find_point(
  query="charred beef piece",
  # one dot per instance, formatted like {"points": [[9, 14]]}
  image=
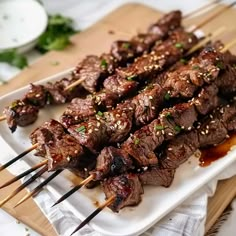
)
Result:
{"points": [[120, 86], [147, 104], [20, 113], [45, 134], [106, 99], [207, 99], [126, 188], [142, 143], [179, 150], [227, 116], [63, 153], [91, 134], [111, 161], [179, 117], [173, 19], [119, 121], [157, 176], [78, 111], [93, 69], [36, 96]]}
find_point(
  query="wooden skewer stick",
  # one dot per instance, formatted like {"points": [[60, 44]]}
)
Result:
{"points": [[18, 157], [13, 180], [3, 117], [206, 21], [25, 184], [206, 40], [39, 188], [77, 187], [91, 216], [229, 45], [198, 10]]}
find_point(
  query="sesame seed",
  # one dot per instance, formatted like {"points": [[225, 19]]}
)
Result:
{"points": [[202, 132], [170, 134]]}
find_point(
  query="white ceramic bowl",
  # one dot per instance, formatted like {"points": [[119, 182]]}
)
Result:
{"points": [[21, 23]]}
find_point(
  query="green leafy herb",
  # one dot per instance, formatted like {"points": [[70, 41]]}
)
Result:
{"points": [[179, 45], [159, 127], [168, 115], [56, 36], [14, 104], [81, 129], [130, 78], [13, 58], [104, 64], [195, 67], [100, 113], [184, 61], [167, 96], [220, 65], [136, 141], [177, 128], [126, 45]]}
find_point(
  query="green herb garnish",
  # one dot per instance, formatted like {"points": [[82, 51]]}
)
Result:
{"points": [[179, 45], [136, 141], [14, 104], [81, 129], [177, 128], [220, 65], [13, 58], [99, 113], [184, 61], [130, 78], [104, 64], [126, 45], [195, 67], [159, 127], [168, 115], [167, 96], [56, 36]]}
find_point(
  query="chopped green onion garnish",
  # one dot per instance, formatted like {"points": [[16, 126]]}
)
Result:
{"points": [[168, 115], [179, 45], [220, 65], [177, 128], [184, 61], [104, 64], [167, 96], [81, 129], [136, 141], [130, 78], [195, 67], [126, 45], [14, 104], [159, 127], [100, 113]]}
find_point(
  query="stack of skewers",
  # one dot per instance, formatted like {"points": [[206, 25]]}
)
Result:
{"points": [[135, 114]]}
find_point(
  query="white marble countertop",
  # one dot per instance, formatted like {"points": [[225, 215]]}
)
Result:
{"points": [[85, 13]]}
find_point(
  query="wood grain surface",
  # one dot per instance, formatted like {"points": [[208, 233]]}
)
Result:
{"points": [[124, 22]]}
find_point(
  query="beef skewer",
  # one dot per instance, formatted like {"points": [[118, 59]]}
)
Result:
{"points": [[222, 119], [35, 110], [59, 135]]}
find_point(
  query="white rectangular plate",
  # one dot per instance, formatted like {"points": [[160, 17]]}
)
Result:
{"points": [[156, 201]]}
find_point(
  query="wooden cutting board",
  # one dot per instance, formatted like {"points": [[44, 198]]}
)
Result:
{"points": [[120, 24]]}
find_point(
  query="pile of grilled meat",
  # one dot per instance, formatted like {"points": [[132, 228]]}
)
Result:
{"points": [[147, 112]]}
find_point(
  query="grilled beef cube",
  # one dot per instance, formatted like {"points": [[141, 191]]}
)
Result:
{"points": [[211, 132], [78, 110], [227, 116], [179, 150], [229, 58], [106, 99], [207, 99], [119, 121], [91, 134], [147, 104], [36, 96], [111, 161], [177, 118], [57, 93], [123, 51], [227, 82], [20, 113], [119, 85], [45, 134], [63, 153], [157, 176], [143, 142], [171, 20], [126, 188]]}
